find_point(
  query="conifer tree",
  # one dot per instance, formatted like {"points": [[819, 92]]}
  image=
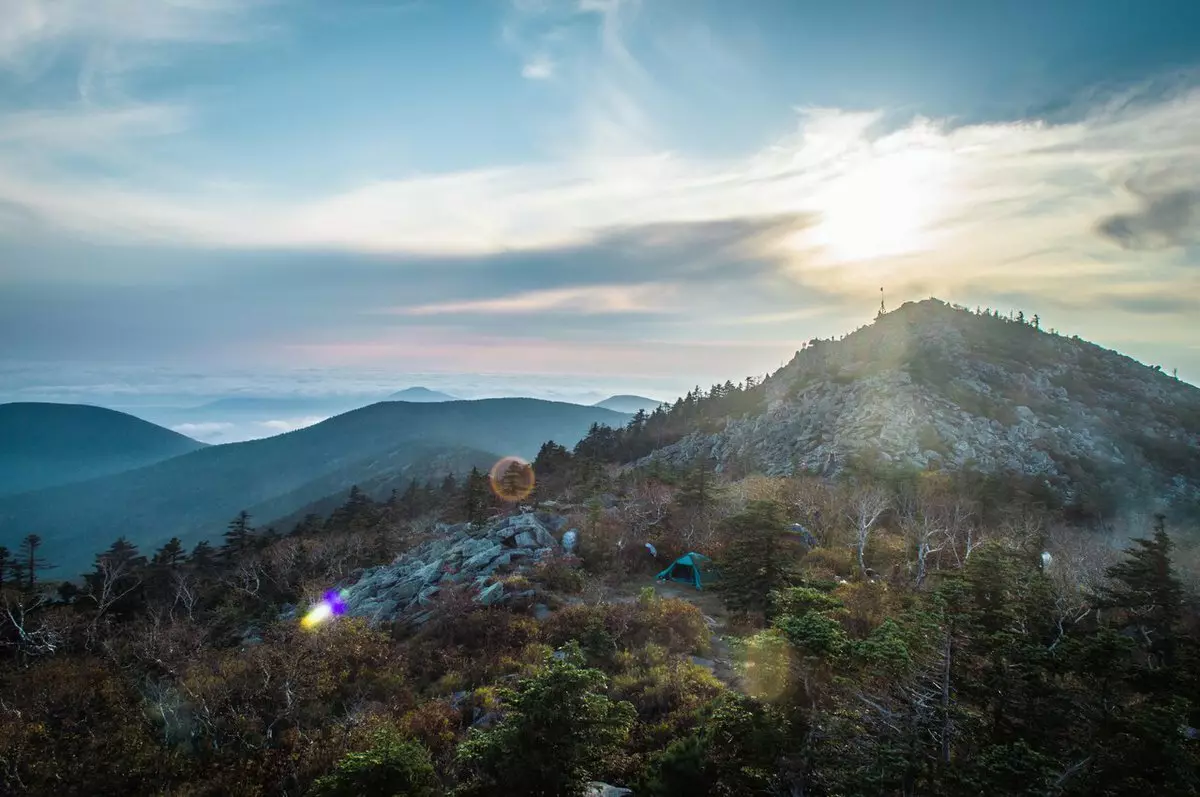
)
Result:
{"points": [[758, 558], [31, 562], [476, 497], [238, 536], [1144, 586], [171, 554]]}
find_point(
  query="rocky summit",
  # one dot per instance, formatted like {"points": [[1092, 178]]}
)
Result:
{"points": [[452, 554], [933, 385]]}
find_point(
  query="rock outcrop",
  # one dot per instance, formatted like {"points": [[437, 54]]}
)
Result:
{"points": [[453, 554]]}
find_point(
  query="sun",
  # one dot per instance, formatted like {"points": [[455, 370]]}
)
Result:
{"points": [[881, 206]]}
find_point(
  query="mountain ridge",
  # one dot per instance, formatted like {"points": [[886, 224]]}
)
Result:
{"points": [[44, 444], [194, 495]]}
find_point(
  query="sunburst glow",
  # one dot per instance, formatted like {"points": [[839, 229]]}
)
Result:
{"points": [[883, 206]]}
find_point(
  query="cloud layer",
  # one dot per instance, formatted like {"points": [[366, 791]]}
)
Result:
{"points": [[609, 238]]}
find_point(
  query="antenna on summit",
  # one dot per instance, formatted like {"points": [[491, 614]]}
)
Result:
{"points": [[882, 306]]}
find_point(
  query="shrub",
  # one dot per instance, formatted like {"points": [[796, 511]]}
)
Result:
{"points": [[559, 731], [559, 574], [391, 766], [828, 564]]}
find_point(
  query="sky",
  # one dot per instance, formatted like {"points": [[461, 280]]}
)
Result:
{"points": [[580, 194]]}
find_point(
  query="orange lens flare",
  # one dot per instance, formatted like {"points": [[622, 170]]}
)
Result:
{"points": [[511, 479]]}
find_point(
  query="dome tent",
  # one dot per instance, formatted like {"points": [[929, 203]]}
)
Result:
{"points": [[691, 568]]}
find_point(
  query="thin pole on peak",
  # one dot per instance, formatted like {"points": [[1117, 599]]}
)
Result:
{"points": [[882, 306]]}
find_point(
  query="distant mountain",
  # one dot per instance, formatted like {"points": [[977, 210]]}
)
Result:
{"points": [[43, 445], [931, 385], [420, 395], [194, 495], [628, 404]]}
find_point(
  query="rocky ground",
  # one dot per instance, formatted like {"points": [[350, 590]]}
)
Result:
{"points": [[453, 554]]}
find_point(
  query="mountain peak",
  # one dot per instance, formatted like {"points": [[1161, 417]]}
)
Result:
{"points": [[418, 393], [628, 403], [934, 385]]}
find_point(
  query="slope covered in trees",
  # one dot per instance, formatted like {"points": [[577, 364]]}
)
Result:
{"points": [[912, 641], [191, 496], [42, 445]]}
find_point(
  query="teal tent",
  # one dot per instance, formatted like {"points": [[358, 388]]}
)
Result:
{"points": [[691, 568]]}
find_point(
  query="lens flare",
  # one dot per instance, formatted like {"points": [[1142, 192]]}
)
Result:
{"points": [[511, 479], [332, 605]]}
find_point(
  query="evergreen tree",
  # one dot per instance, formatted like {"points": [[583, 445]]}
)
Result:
{"points": [[1147, 591], [359, 513], [5, 563], [410, 501], [559, 731], [171, 554], [515, 481], [203, 559], [476, 497], [699, 489], [30, 560], [238, 536], [758, 559]]}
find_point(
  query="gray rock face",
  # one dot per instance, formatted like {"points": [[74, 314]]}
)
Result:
{"points": [[455, 554]]}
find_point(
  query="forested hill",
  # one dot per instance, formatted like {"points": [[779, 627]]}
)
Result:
{"points": [[42, 444], [933, 386], [193, 496]]}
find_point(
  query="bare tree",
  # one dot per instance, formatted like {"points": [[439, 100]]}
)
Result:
{"points": [[246, 577], [115, 577], [863, 509], [33, 631], [187, 592]]}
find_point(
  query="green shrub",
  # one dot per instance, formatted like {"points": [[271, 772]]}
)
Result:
{"points": [[391, 766]]}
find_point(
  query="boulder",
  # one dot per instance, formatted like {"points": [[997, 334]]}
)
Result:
{"points": [[491, 594], [483, 557], [599, 789]]}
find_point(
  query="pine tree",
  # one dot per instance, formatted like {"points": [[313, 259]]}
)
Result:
{"points": [[357, 514], [31, 562], [238, 536], [171, 554], [202, 558], [515, 481], [5, 563], [1145, 587], [699, 490], [758, 558], [476, 497]]}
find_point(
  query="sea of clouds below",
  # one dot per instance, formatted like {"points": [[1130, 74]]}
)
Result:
{"points": [[176, 397]]}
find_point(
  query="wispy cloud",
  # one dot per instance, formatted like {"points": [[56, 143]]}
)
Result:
{"points": [[540, 67], [37, 31], [281, 425], [592, 300], [204, 430]]}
